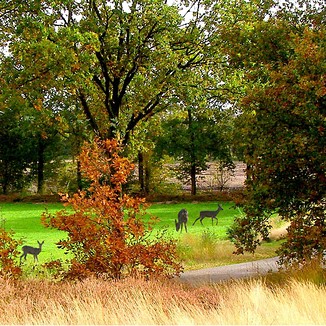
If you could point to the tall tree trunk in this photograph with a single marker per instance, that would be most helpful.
(40, 165)
(141, 176)
(193, 180)
(147, 175)
(144, 173)
(192, 155)
(4, 186)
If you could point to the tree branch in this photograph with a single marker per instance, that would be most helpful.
(88, 114)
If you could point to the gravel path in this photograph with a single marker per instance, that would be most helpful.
(237, 271)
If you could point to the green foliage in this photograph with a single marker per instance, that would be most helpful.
(16, 152)
(192, 138)
(283, 124)
(120, 61)
(31, 146)
(60, 177)
(306, 241)
(110, 66)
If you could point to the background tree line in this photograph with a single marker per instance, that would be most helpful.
(115, 65)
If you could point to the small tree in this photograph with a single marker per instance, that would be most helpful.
(106, 233)
(224, 171)
(192, 139)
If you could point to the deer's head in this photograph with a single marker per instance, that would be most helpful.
(40, 243)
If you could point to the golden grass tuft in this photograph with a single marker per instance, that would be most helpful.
(136, 301)
(279, 233)
(206, 251)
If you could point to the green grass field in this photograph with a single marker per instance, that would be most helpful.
(168, 213)
(102, 302)
(203, 245)
(24, 219)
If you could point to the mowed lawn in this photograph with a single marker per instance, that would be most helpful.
(168, 213)
(25, 220)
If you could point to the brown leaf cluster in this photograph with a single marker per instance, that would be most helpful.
(107, 233)
(8, 255)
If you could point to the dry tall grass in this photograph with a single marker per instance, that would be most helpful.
(139, 302)
(205, 251)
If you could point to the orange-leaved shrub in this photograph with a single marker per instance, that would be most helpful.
(8, 255)
(106, 230)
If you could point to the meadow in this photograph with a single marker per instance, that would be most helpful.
(274, 299)
(203, 246)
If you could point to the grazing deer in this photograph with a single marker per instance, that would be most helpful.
(209, 214)
(32, 251)
(182, 220)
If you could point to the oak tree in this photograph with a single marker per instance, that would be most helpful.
(120, 60)
(283, 128)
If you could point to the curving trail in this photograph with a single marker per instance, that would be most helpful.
(229, 272)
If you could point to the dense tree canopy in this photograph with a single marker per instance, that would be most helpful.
(122, 61)
(16, 152)
(284, 135)
(116, 62)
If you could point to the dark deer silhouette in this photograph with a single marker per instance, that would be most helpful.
(182, 220)
(209, 214)
(32, 251)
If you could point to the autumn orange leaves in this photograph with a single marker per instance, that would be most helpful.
(105, 232)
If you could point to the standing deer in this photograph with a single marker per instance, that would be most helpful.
(182, 220)
(32, 251)
(209, 214)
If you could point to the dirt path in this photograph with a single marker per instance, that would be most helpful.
(237, 271)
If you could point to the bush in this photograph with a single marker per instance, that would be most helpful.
(8, 255)
(106, 232)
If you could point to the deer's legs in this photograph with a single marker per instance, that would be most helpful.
(23, 255)
(196, 220)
